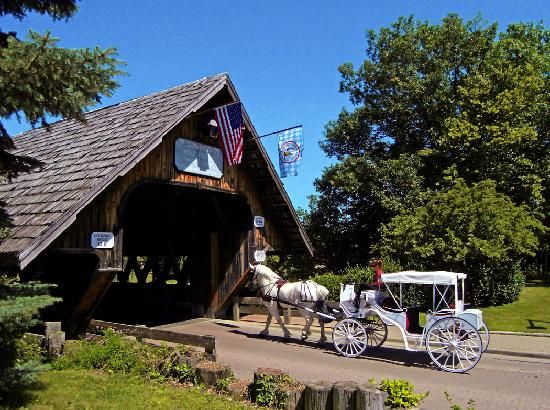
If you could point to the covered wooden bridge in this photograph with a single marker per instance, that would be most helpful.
(137, 202)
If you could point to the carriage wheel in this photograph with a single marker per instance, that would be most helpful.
(485, 337)
(454, 345)
(377, 331)
(349, 338)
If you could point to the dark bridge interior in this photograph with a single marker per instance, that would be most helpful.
(168, 252)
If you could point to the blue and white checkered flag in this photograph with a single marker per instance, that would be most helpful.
(291, 147)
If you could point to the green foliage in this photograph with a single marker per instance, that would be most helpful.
(113, 353)
(19, 305)
(56, 82)
(473, 229)
(222, 385)
(454, 406)
(292, 267)
(401, 393)
(269, 390)
(28, 348)
(434, 104)
(57, 9)
(357, 196)
(351, 274)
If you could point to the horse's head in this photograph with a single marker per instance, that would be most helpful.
(260, 274)
(252, 277)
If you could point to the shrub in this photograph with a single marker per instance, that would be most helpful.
(222, 385)
(352, 274)
(28, 348)
(401, 393)
(20, 303)
(330, 281)
(270, 390)
(115, 354)
(472, 229)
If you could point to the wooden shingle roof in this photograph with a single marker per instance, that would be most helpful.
(82, 158)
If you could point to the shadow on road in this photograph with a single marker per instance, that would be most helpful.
(383, 354)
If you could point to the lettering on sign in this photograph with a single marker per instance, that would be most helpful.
(196, 158)
(259, 221)
(259, 256)
(103, 240)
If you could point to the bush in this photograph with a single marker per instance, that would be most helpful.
(269, 390)
(115, 354)
(352, 274)
(471, 229)
(20, 303)
(401, 393)
(28, 349)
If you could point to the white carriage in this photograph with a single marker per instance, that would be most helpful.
(453, 336)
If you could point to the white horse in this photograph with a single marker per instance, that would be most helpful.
(275, 291)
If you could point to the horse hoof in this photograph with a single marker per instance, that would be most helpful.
(263, 334)
(304, 337)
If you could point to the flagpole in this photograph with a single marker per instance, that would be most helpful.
(275, 132)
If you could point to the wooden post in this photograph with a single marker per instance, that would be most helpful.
(55, 339)
(287, 312)
(294, 398)
(368, 397)
(318, 396)
(236, 309)
(343, 395)
(100, 282)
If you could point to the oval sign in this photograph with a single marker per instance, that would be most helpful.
(259, 256)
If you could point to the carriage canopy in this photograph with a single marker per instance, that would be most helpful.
(424, 278)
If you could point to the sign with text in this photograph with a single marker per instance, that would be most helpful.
(103, 240)
(259, 221)
(199, 159)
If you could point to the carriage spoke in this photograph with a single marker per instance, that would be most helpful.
(453, 344)
(350, 337)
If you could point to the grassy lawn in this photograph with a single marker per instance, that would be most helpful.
(531, 313)
(85, 389)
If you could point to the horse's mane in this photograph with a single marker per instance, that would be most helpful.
(266, 270)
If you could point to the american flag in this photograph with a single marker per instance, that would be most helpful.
(231, 127)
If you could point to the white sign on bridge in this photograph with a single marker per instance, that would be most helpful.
(103, 240)
(196, 158)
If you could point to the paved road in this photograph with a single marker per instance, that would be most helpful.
(497, 382)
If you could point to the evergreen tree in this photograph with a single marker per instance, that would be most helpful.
(38, 80)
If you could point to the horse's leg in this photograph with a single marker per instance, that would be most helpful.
(323, 338)
(265, 332)
(275, 313)
(309, 321)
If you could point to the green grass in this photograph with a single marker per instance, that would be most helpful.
(530, 313)
(91, 389)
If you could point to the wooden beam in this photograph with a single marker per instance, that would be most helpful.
(99, 284)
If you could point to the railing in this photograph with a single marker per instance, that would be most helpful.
(207, 342)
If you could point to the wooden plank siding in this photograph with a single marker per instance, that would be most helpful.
(104, 212)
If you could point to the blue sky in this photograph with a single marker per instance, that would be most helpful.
(281, 55)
